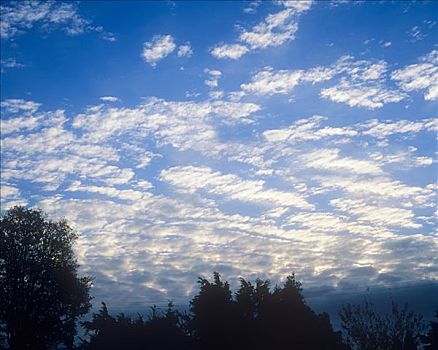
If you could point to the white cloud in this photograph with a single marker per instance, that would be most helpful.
(10, 63)
(420, 76)
(330, 160)
(233, 51)
(275, 30)
(110, 99)
(297, 5)
(361, 83)
(158, 48)
(370, 96)
(270, 82)
(19, 105)
(374, 214)
(381, 188)
(252, 7)
(383, 128)
(185, 50)
(307, 130)
(192, 179)
(213, 77)
(321, 213)
(20, 16)
(20, 123)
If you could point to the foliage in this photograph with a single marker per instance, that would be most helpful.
(41, 294)
(122, 332)
(258, 317)
(365, 329)
(431, 338)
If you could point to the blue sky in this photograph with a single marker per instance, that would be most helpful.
(250, 138)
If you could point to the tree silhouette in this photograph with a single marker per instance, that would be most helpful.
(365, 329)
(258, 317)
(431, 339)
(214, 314)
(160, 331)
(41, 294)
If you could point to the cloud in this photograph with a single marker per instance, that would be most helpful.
(233, 51)
(21, 16)
(421, 76)
(138, 184)
(157, 49)
(251, 8)
(192, 179)
(384, 128)
(213, 77)
(275, 30)
(19, 123)
(307, 130)
(361, 84)
(268, 82)
(10, 63)
(185, 50)
(330, 160)
(109, 99)
(357, 94)
(19, 105)
(374, 214)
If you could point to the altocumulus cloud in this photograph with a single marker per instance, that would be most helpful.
(231, 169)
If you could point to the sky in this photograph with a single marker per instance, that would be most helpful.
(255, 139)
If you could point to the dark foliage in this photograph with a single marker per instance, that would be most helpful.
(258, 317)
(41, 294)
(159, 331)
(431, 338)
(365, 329)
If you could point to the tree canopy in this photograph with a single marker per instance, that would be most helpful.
(258, 317)
(42, 295)
(366, 329)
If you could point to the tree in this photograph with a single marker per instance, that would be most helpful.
(431, 338)
(41, 294)
(158, 332)
(258, 317)
(366, 329)
(213, 314)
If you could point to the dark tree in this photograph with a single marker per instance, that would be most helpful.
(366, 329)
(258, 317)
(41, 294)
(159, 332)
(431, 339)
(214, 314)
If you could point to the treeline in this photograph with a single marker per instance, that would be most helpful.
(258, 316)
(255, 317)
(42, 299)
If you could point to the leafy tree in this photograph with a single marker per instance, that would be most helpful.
(365, 329)
(431, 339)
(41, 294)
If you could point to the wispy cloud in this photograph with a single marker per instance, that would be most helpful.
(275, 30)
(20, 16)
(420, 76)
